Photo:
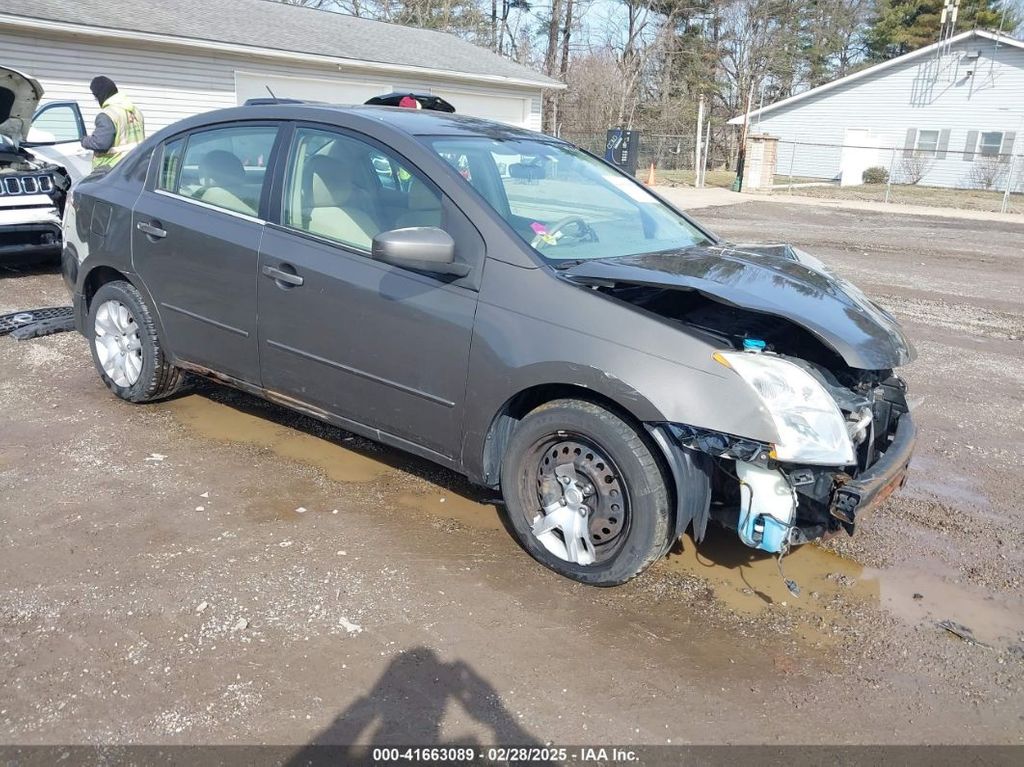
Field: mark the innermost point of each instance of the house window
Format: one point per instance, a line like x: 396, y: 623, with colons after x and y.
x: 989, y: 143
x: 927, y: 143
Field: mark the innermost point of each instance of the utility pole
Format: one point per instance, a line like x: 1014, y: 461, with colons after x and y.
x: 741, y: 159
x: 494, y: 25
x: 707, y: 153
x: 698, y: 181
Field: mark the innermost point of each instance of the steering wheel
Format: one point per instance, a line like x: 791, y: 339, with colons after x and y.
x: 583, y: 231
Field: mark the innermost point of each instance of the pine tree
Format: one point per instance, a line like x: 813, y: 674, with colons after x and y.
x: 901, y: 26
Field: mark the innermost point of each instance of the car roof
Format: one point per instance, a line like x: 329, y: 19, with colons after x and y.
x: 413, y: 122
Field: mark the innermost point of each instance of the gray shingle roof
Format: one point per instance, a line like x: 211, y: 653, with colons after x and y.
x: 267, y: 24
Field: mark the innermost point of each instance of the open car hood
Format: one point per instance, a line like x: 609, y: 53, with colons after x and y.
x: 19, y: 97
x: 776, y: 280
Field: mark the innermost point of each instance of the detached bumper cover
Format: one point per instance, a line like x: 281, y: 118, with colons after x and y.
x: 886, y: 475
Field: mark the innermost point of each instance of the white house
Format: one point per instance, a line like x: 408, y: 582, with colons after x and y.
x: 946, y: 115
x: 176, y: 58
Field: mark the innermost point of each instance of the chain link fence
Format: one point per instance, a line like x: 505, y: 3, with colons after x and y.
x: 983, y: 179
x: 673, y: 155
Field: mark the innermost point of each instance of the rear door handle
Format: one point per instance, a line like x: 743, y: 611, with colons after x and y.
x: 280, y: 275
x: 150, y: 229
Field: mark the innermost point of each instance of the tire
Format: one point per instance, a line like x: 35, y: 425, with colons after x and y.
x: 608, y: 455
x: 148, y: 376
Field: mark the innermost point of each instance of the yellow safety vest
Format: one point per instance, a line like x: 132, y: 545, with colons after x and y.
x: 129, y: 130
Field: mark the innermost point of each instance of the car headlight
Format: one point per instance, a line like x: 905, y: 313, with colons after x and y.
x: 810, y: 426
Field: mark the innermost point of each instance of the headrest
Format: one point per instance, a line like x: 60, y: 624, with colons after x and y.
x: 332, y: 182
x: 221, y: 168
x: 422, y: 197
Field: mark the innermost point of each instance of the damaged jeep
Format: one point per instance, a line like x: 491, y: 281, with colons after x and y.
x: 35, y: 174
x: 503, y: 304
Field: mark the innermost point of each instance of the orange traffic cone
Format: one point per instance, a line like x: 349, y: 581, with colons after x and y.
x: 650, y: 176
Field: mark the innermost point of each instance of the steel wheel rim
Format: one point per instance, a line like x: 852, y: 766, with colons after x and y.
x: 117, y: 343
x: 582, y: 512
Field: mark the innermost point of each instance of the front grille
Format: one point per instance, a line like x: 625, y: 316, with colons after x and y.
x: 37, y: 184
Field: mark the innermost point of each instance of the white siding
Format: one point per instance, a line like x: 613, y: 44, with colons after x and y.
x: 171, y: 83
x: 930, y: 93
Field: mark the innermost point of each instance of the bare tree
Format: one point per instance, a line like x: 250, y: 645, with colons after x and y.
x: 987, y: 172
x: 591, y: 102
x: 914, y: 167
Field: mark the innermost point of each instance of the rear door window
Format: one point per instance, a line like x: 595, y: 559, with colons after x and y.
x: 224, y: 167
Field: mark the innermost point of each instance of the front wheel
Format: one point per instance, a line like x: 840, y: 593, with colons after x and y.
x: 585, y: 493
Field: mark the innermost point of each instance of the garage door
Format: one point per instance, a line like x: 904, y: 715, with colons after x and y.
x: 505, y: 109
x: 513, y: 110
x: 250, y: 85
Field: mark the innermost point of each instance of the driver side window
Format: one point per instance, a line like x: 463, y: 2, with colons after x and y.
x: 58, y: 124
x: 349, y: 191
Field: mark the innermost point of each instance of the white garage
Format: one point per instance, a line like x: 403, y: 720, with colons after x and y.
x: 176, y: 59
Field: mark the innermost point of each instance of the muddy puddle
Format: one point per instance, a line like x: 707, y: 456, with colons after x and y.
x: 744, y: 581
x: 749, y: 582
x: 218, y: 421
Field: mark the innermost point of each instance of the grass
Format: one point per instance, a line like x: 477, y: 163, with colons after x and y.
x: 717, y: 178
x: 906, y: 194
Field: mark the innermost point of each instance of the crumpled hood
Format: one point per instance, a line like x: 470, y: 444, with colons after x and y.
x: 774, y: 279
x: 19, y: 97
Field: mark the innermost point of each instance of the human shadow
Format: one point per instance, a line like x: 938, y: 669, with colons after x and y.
x: 406, y: 708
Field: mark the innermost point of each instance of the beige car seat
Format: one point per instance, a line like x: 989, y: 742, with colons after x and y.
x: 333, y: 211
x: 424, y: 207
x: 223, y: 175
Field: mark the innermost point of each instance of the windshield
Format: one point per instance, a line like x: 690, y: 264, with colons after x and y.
x: 566, y: 204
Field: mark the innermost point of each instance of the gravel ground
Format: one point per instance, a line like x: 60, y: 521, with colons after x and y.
x: 215, y: 569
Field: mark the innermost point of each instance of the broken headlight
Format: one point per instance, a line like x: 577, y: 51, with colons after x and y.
x: 810, y: 426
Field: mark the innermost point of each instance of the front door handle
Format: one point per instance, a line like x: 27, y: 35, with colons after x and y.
x: 151, y: 229
x: 281, y: 276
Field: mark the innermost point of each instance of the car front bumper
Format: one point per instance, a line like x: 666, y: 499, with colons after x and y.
x: 773, y: 505
x: 29, y: 232
x: 881, y: 479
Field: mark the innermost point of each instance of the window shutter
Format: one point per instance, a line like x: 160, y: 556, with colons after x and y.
x: 971, y: 145
x: 940, y: 150
x: 908, y: 145
x: 1008, y: 139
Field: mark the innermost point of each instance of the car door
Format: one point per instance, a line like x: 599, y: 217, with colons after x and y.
x: 195, y: 243
x: 56, y: 133
x: 375, y: 345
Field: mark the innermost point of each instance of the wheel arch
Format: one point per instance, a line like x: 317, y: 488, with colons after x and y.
x: 484, y: 453
x: 101, y: 274
x: 687, y: 474
x: 96, y: 278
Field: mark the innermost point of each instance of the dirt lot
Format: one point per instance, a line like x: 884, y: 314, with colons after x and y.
x: 218, y: 570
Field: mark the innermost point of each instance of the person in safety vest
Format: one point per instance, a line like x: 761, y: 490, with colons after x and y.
x: 119, y: 125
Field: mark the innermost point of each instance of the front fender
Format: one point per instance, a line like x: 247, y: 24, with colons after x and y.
x: 534, y: 329
x: 490, y: 396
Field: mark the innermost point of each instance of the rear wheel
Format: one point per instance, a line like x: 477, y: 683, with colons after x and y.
x: 126, y: 348
x: 585, y: 493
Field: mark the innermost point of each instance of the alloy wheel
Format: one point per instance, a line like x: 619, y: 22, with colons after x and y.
x: 117, y: 342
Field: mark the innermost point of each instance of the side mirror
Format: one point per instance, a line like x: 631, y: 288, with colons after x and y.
x: 423, y: 248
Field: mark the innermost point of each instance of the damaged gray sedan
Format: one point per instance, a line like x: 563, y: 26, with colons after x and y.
x: 505, y: 305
